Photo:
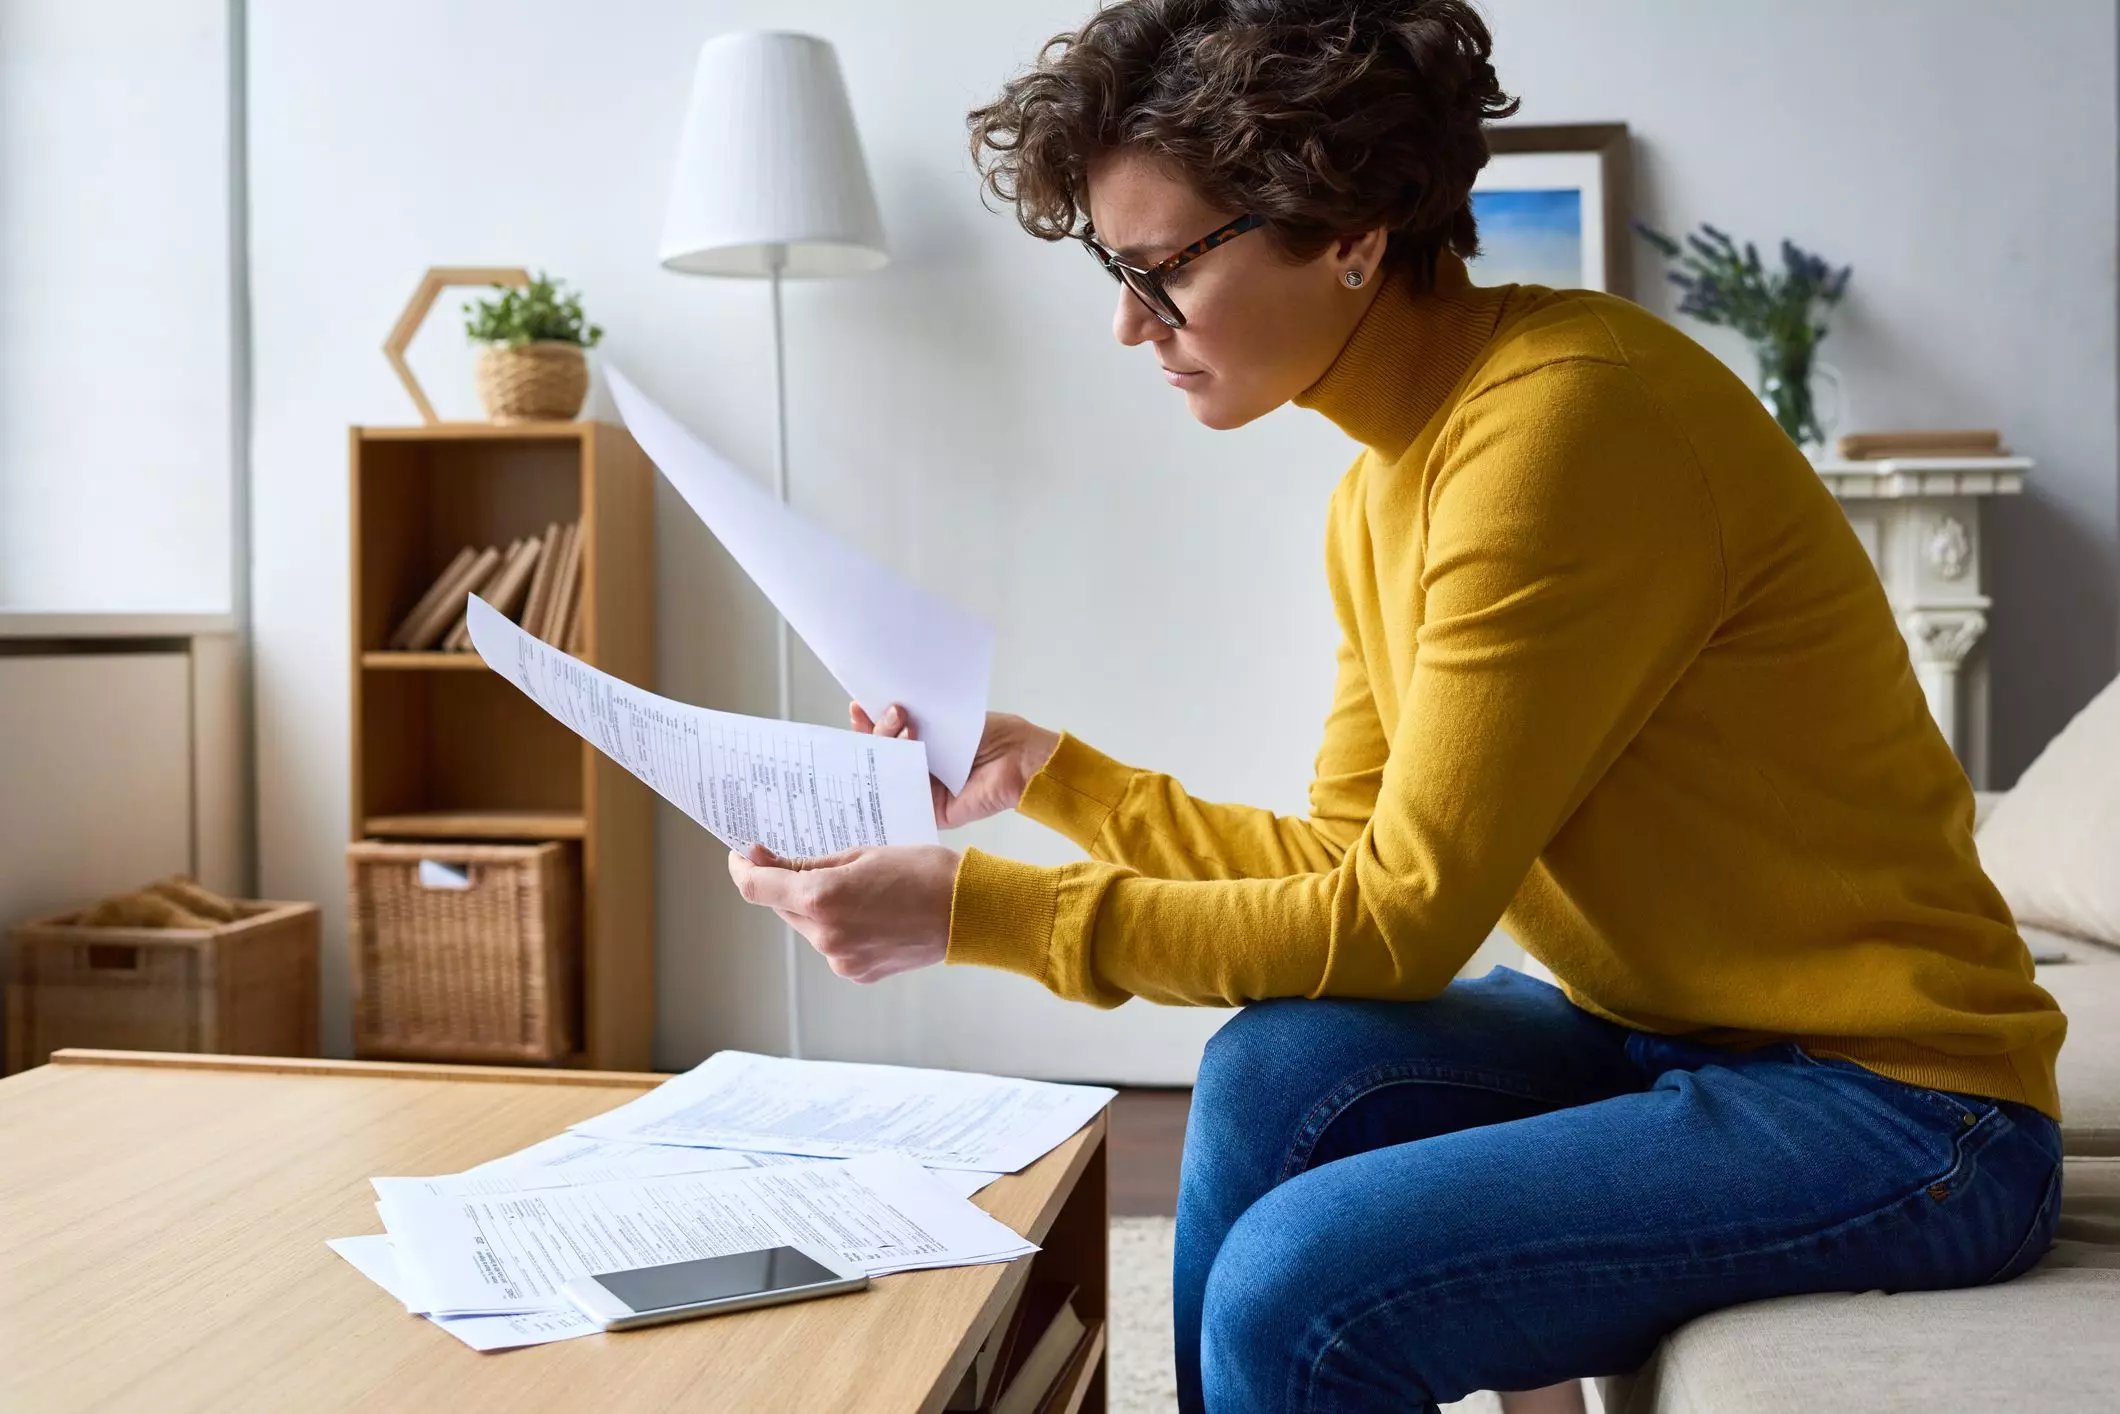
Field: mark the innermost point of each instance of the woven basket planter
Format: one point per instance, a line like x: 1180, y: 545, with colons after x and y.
x: 536, y: 382
x: 487, y: 968
x: 247, y: 987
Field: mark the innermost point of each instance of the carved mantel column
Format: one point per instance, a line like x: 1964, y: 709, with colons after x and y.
x: 1919, y: 519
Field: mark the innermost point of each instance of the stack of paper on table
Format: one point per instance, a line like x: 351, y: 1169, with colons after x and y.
x: 947, y: 1119
x: 875, y: 1163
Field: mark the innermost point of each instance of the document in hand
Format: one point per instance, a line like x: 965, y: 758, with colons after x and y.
x: 468, y: 1253
x: 883, y: 639
x: 798, y: 789
x: 946, y: 1119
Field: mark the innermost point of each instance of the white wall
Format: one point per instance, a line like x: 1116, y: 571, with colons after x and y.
x: 965, y: 416
x: 114, y: 305
x: 1964, y: 158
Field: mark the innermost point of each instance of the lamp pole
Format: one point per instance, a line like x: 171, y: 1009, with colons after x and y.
x: 770, y: 181
x: 783, y: 648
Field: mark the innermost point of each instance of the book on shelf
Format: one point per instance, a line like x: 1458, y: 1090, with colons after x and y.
x: 535, y: 581
x: 503, y: 590
x: 401, y: 636
x: 1070, y: 1388
x: 552, y: 626
x: 1041, y: 1342
x: 448, y: 606
x: 977, y: 1389
x: 510, y: 588
x: 541, y: 578
x: 576, y: 640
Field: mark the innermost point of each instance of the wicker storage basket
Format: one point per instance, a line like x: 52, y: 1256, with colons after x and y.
x: 545, y: 380
x: 483, y: 963
x: 243, y: 988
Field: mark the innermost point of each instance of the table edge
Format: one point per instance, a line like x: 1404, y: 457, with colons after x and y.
x: 1085, y: 1143
x: 373, y: 1070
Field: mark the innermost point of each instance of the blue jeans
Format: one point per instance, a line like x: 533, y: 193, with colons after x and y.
x: 1388, y: 1205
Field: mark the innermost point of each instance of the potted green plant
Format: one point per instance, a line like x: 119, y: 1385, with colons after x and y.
x: 532, y: 367
x: 1782, y: 312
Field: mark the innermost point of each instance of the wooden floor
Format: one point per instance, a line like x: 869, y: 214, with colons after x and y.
x: 1147, y: 1139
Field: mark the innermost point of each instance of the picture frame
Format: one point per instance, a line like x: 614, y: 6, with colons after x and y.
x: 1555, y: 205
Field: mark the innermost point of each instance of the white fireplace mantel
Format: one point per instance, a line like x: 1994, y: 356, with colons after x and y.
x: 1919, y: 518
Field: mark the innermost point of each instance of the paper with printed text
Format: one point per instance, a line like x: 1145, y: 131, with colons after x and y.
x: 509, y: 1253
x: 800, y: 790
x: 374, y: 1258
x: 883, y: 638
x: 567, y: 1159
x: 946, y: 1119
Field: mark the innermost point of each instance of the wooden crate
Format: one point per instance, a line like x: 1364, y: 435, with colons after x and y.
x: 485, y: 969
x: 243, y: 988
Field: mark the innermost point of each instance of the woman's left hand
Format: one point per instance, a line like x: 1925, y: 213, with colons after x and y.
x: 872, y: 912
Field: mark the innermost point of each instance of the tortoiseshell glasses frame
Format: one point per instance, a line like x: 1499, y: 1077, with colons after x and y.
x: 1146, y: 281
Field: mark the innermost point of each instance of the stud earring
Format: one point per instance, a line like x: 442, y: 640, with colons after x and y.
x: 1352, y: 279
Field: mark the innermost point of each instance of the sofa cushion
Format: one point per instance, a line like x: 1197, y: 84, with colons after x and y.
x: 2046, y: 1341
x: 2051, y: 843
x: 2087, y: 984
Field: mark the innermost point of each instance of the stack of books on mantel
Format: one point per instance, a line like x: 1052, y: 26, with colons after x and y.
x: 535, y: 581
x: 1927, y: 442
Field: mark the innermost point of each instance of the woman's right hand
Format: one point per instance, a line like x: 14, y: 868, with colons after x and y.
x: 1010, y: 752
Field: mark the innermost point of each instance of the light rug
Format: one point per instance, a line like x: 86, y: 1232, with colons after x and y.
x: 1142, y: 1378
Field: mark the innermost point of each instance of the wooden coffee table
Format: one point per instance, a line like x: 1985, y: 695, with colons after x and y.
x: 162, y: 1226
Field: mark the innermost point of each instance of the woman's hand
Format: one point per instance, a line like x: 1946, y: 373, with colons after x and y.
x: 1010, y: 752
x: 872, y: 912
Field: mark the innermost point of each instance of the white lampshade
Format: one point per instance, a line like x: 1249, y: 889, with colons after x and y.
x: 770, y: 163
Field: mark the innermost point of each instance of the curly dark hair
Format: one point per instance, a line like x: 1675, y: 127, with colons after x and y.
x: 1325, y: 117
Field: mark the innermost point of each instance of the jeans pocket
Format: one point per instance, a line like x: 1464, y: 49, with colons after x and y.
x: 1949, y: 1105
x: 2039, y: 1236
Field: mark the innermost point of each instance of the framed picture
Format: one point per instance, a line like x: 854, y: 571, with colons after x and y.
x: 1554, y: 208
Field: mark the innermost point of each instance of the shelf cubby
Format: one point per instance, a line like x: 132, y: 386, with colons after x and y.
x: 445, y: 749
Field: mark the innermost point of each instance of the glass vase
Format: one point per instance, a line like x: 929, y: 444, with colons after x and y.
x: 1801, y: 391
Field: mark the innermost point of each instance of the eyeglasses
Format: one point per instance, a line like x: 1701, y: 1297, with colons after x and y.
x: 1146, y: 282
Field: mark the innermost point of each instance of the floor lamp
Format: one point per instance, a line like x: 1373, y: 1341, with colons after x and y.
x: 770, y: 184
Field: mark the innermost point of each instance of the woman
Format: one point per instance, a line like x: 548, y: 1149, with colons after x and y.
x: 1613, y: 670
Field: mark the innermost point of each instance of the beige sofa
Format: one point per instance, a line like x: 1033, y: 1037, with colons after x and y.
x: 2049, y: 1341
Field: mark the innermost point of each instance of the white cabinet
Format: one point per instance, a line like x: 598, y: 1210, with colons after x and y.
x: 95, y: 776
x: 1919, y: 518
x: 119, y: 757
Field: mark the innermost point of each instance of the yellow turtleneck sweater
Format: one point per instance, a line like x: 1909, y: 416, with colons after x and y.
x: 1614, y: 671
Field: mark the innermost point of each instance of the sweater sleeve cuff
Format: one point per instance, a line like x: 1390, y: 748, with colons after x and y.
x: 1001, y: 915
x: 1076, y: 791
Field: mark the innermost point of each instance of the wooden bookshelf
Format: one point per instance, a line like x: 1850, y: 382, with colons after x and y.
x: 391, y: 661
x: 444, y: 749
x: 479, y: 825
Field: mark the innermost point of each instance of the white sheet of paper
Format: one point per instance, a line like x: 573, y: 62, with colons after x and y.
x: 946, y: 1119
x: 373, y: 1257
x: 883, y: 639
x: 510, y: 1252
x: 568, y: 1159
x: 798, y: 789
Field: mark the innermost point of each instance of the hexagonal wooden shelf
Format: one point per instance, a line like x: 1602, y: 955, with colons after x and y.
x: 437, y: 279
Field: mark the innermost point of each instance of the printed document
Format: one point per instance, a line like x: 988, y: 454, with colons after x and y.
x: 374, y: 1258
x: 946, y: 1119
x: 800, y: 790
x: 883, y: 639
x: 509, y: 1253
x: 569, y: 1159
